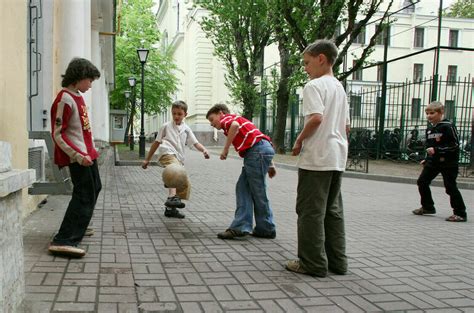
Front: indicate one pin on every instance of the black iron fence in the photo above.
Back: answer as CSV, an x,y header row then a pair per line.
x,y
399,134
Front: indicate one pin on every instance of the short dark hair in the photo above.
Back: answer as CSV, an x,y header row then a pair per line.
x,y
322,46
79,69
180,104
216,108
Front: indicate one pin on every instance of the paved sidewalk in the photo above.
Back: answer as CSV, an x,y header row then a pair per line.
x,y
140,261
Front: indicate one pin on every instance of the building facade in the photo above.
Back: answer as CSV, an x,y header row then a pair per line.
x,y
414,29
39,38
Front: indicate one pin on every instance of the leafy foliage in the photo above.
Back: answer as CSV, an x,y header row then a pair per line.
x,y
239,31
461,8
138,29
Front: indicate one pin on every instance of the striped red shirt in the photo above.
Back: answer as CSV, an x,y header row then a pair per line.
x,y
247,136
70,129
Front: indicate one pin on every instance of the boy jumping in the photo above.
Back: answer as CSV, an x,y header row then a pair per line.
x,y
170,143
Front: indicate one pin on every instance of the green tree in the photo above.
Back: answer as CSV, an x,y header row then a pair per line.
x,y
239,30
309,20
461,8
138,29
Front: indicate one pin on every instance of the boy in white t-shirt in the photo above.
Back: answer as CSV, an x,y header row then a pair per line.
x,y
170,143
322,148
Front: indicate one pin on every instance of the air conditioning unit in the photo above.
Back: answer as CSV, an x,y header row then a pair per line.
x,y
36,161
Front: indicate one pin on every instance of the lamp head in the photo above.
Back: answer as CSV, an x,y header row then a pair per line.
x,y
142,54
132,81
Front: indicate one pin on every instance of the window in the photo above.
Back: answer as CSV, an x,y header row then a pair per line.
x,y
415,108
453,37
417,72
449,110
357,75
361,37
452,74
419,37
379,40
380,72
356,106
409,6
118,122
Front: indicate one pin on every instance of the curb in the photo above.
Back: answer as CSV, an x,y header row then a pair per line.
x,y
377,177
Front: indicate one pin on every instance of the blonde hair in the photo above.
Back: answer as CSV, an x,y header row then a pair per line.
x,y
435,106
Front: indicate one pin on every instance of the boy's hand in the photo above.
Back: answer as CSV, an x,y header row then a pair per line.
x,y
145,164
86,161
423,162
296,148
224,153
206,154
430,151
272,172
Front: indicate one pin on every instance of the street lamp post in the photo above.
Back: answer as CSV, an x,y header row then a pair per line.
x,y
142,56
127,125
132,82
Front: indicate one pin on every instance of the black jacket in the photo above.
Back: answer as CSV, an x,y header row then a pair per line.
x,y
443,137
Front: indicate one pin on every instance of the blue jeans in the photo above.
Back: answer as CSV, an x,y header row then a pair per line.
x,y
251,192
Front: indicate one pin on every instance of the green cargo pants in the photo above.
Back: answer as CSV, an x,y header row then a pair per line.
x,y
321,236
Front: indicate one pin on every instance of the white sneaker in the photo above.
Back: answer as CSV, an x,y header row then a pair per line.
x,y
66,250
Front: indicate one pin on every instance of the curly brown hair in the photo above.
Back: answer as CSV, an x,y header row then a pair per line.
x,y
79,69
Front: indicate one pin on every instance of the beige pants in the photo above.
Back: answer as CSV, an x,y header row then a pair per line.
x,y
183,193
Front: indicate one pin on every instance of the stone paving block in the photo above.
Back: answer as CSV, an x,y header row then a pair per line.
x,y
395,306
87,294
67,293
239,305
363,303
74,307
159,307
32,279
416,302
191,307
345,304
120,298
289,305
195,297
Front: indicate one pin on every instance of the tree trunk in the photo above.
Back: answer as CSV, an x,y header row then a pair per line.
x,y
283,97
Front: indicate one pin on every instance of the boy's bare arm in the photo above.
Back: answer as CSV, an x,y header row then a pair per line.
x,y
311,126
201,148
153,148
233,130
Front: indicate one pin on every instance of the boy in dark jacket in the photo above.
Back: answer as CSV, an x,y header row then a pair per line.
x,y
442,156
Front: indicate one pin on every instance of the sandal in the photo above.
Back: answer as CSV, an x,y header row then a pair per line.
x,y
456,218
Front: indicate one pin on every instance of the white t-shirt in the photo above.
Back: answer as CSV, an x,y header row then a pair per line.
x,y
326,148
173,139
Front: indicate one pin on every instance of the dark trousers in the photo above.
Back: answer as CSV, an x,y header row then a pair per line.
x,y
449,178
321,234
86,187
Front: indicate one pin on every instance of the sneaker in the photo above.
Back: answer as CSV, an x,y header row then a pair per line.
x,y
231,234
173,212
456,218
70,251
174,202
89,231
295,266
423,211
266,236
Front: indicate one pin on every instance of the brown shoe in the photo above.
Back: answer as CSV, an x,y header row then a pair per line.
x,y
423,211
456,218
70,251
231,234
295,266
